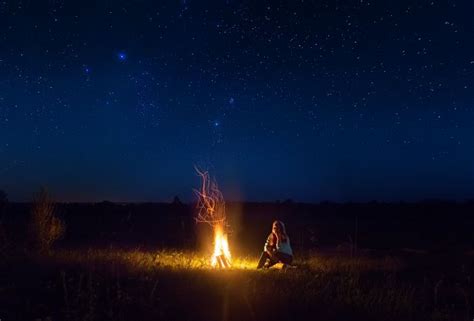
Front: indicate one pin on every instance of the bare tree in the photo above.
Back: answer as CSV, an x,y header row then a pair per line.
x,y
45,227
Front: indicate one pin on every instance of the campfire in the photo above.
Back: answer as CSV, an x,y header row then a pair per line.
x,y
211,210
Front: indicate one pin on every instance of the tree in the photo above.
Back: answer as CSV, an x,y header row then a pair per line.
x,y
45,227
177,201
3,233
3,197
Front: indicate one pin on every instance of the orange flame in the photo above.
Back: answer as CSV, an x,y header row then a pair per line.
x,y
211,210
221,257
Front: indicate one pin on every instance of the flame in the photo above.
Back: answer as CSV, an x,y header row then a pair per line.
x,y
221,257
211,210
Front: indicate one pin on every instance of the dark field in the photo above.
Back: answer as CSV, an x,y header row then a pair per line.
x,y
150,262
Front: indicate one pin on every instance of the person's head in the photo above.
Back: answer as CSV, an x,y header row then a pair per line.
x,y
279,228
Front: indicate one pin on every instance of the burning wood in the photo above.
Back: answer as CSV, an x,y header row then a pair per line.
x,y
211,210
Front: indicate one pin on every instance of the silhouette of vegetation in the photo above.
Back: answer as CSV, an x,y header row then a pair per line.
x,y
3,198
177,201
45,227
3,233
3,241
119,261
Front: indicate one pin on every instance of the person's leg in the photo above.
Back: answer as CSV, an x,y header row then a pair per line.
x,y
262,260
272,260
284,258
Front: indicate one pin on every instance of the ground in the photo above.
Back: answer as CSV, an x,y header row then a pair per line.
x,y
117,284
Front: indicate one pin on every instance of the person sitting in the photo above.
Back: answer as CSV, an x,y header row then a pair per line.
x,y
277,248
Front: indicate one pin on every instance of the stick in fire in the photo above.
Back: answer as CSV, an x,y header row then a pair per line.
x,y
211,210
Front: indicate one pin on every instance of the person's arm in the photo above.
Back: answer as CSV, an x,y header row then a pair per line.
x,y
270,244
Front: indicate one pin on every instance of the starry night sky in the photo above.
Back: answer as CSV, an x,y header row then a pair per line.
x,y
309,100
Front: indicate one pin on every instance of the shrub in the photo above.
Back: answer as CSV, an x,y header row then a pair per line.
x,y
45,227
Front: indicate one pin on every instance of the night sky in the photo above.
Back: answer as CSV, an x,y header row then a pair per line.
x,y
309,100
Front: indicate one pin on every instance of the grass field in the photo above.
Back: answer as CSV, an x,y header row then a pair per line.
x,y
114,284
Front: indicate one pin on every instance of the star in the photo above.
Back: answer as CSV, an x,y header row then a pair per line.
x,y
122,56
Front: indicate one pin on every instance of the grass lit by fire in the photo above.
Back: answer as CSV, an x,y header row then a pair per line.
x,y
151,260
112,284
189,260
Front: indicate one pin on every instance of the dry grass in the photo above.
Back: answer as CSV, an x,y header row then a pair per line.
x,y
117,284
142,260
362,285
186,260
356,264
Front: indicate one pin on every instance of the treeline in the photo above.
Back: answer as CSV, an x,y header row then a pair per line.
x,y
426,225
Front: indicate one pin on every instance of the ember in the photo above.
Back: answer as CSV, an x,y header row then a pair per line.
x,y
211,210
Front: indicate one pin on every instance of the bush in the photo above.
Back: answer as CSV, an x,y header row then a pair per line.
x,y
45,227
3,198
